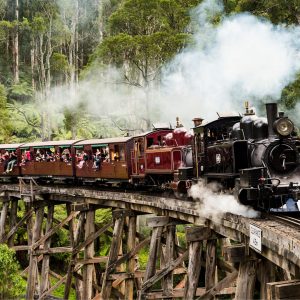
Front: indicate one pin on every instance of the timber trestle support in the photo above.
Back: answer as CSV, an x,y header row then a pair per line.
x,y
184,260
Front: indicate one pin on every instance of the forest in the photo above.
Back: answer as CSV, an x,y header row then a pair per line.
x,y
60,60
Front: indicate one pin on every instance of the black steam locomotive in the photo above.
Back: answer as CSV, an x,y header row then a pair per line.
x,y
258,159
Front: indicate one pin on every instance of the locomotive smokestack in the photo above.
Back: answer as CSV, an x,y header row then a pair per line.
x,y
272,114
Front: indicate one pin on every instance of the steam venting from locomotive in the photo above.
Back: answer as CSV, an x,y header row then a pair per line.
x,y
213,204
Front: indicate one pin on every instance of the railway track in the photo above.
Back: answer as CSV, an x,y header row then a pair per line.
x,y
293,221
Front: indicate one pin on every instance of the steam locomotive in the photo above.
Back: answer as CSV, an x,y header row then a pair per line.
x,y
257,159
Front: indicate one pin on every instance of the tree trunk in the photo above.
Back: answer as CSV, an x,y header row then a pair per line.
x,y
16,46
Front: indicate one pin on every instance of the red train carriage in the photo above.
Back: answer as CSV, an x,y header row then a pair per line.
x,y
104,159
48,159
157,155
10,160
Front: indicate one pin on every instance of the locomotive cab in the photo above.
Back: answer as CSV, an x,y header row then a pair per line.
x,y
218,154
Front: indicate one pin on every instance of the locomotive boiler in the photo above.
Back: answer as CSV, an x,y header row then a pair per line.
x,y
256,158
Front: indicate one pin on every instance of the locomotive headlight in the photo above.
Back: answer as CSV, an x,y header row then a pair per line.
x,y
284,126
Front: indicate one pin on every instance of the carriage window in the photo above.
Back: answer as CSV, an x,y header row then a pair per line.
x,y
150,142
115,153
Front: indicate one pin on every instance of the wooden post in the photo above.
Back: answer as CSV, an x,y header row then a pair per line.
x,y
266,274
33,264
46,257
89,252
157,223
195,236
289,289
210,264
131,262
119,216
30,221
194,267
13,219
169,256
3,219
246,280
78,283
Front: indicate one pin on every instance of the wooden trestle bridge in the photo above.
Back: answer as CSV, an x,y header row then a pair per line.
x,y
172,271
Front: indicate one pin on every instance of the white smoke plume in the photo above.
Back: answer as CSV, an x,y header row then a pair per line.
x,y
212,204
242,58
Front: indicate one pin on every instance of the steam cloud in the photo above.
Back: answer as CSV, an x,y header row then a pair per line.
x,y
213,205
242,58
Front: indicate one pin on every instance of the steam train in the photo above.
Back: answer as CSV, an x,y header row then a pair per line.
x,y
257,159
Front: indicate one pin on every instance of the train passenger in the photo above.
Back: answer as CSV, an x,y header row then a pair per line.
x,y
81,159
49,156
5,158
97,160
38,155
66,157
11,161
28,155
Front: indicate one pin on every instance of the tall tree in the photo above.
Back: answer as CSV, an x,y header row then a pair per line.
x,y
144,34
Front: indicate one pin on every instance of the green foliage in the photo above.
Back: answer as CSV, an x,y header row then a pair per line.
x,y
27,121
20,91
59,62
59,292
11,283
291,94
103,216
278,11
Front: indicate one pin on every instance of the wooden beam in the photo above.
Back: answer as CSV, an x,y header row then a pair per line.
x,y
153,251
198,233
141,274
287,291
33,267
13,218
271,294
77,234
128,255
131,237
224,283
169,256
194,267
160,274
266,273
94,260
210,268
46,258
80,207
158,221
179,293
13,229
91,238
54,229
225,266
113,254
29,223
89,252
3,219
53,250
246,280
235,253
